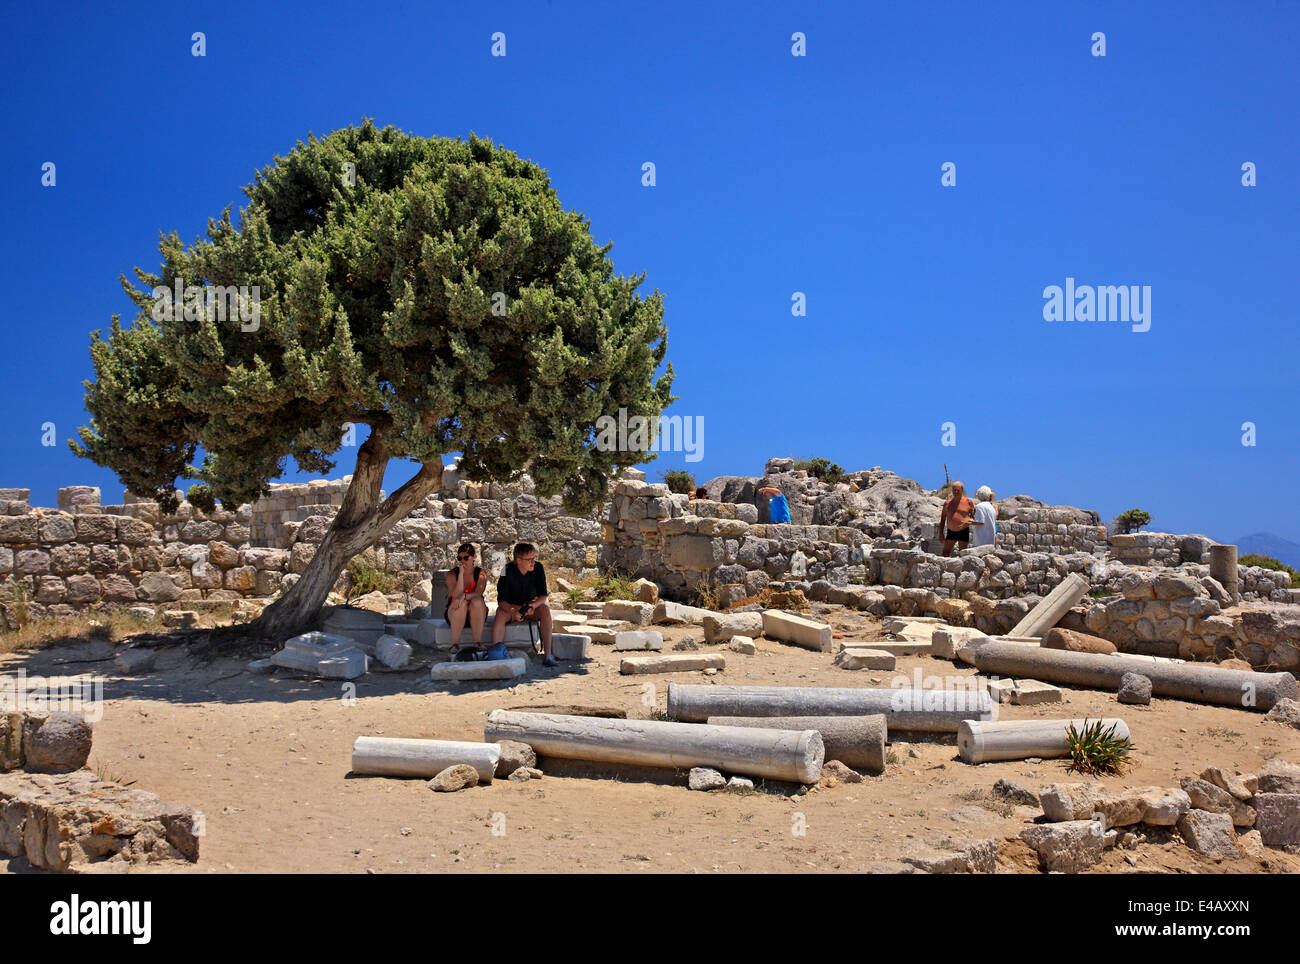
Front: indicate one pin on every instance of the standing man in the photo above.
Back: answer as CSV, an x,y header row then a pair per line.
x,y
521,595
986,518
956,519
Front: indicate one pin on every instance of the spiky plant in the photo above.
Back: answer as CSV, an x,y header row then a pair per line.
x,y
1096,749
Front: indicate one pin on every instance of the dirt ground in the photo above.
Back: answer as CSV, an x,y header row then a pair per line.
x,y
266,758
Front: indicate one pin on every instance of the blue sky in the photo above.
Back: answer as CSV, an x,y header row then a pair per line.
x,y
775,174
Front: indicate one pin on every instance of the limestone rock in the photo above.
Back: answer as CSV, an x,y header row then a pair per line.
x,y
393,651
1164,808
646,591
1206,796
1285,711
1209,834
839,772
454,778
1279,776
514,756
1135,689
966,857
703,778
722,627
743,645
1278,819
1069,847
685,645
1231,782
1015,793
56,742
740,783
865,659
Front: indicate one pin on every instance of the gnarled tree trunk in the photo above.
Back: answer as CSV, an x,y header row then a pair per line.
x,y
361,521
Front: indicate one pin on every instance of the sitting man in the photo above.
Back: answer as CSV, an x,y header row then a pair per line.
x,y
521,595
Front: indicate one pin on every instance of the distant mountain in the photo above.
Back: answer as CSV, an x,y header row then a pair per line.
x,y
1268,544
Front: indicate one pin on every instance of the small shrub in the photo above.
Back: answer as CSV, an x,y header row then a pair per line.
x,y
705,596
823,469
200,496
679,481
366,578
1131,521
613,585
1097,750
574,596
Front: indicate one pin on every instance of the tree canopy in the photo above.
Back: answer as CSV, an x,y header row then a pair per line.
x,y
434,289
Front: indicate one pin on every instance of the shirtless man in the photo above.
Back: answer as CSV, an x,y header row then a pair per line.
x,y
956,519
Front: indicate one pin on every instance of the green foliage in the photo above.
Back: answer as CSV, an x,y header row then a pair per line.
x,y
367,578
200,496
1131,521
574,596
1097,750
823,469
443,297
613,585
680,481
13,600
1268,562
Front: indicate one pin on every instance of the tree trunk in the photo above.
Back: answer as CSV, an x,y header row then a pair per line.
x,y
361,521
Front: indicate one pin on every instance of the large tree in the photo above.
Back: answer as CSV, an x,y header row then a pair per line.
x,y
432,289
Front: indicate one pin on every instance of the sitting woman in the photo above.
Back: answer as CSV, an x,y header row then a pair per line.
x,y
465,585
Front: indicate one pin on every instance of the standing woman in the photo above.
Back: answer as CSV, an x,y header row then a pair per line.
x,y
465,585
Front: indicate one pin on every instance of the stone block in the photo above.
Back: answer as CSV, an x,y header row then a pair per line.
x,y
569,646
672,663
638,640
636,613
488,669
721,627
790,628
853,658
1029,692
1278,819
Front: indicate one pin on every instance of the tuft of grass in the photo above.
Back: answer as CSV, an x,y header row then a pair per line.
x,y
891,757
1097,750
613,585
366,578
113,625
705,596
574,596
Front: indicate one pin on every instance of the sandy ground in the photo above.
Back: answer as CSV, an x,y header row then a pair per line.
x,y
266,760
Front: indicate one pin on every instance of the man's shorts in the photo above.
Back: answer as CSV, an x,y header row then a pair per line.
x,y
960,535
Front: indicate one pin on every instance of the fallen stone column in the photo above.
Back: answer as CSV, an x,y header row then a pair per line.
x,y
382,756
1053,606
985,742
856,741
928,711
1223,568
1196,682
790,755
480,669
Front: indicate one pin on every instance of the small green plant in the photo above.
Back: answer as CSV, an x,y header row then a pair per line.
x,y
366,578
612,585
13,597
705,596
574,596
1131,521
1268,562
200,496
891,757
823,469
679,481
1095,749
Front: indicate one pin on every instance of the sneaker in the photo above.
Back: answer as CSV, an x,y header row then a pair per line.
x,y
550,661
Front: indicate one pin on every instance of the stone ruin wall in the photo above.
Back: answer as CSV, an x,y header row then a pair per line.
x,y
82,554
